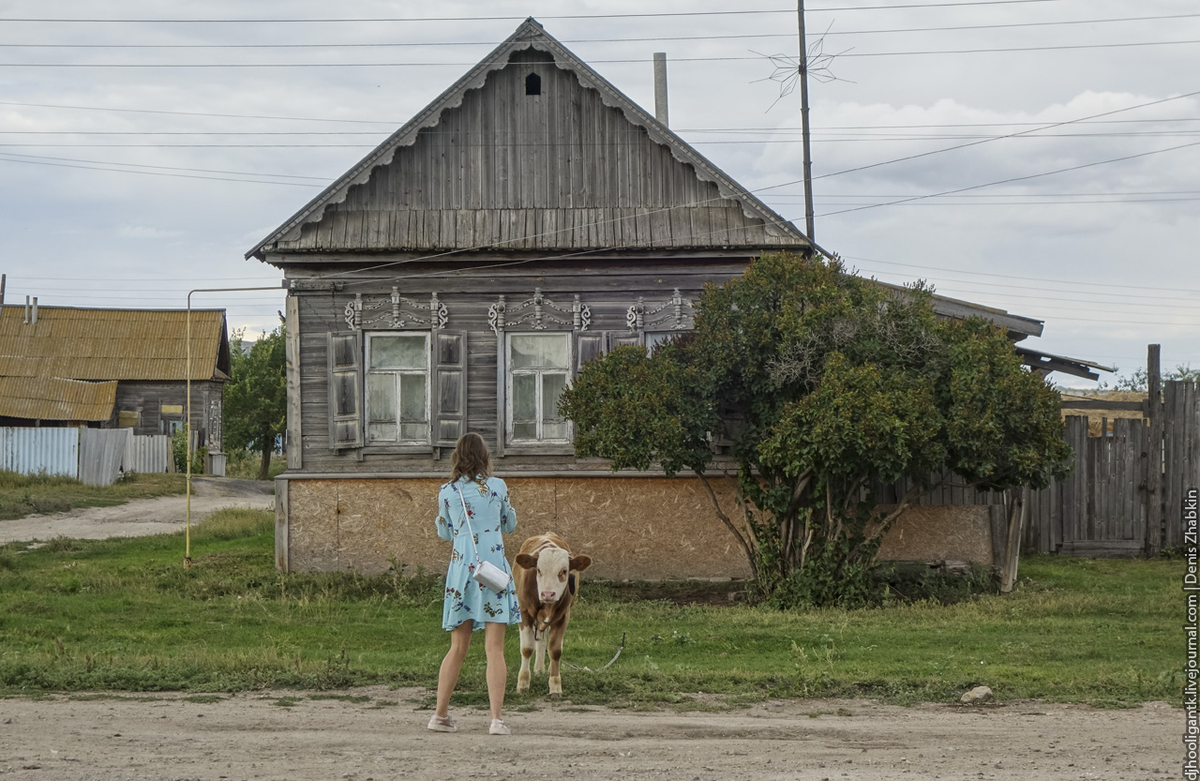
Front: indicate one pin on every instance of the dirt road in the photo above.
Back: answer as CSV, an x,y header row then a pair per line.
x,y
142,516
376,734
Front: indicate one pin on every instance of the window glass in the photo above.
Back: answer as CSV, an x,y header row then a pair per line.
x,y
552,387
538,373
397,386
653,340
412,398
395,351
524,397
538,350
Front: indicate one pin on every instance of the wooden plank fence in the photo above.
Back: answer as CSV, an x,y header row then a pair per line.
x,y
1106,506
1181,454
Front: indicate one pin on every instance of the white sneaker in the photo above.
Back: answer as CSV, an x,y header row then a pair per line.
x,y
499,728
441,724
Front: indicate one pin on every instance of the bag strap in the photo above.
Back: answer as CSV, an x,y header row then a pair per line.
x,y
467,518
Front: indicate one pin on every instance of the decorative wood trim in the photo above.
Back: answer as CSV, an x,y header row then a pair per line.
x,y
383,312
502,316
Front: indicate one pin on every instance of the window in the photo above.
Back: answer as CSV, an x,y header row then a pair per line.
x,y
533,84
398,388
538,367
655,338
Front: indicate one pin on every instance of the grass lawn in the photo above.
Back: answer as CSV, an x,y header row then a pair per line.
x,y
22,495
123,614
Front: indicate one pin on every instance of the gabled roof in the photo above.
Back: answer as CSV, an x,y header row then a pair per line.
x,y
50,398
113,344
530,36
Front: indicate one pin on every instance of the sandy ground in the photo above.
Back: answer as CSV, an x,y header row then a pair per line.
x,y
291,735
143,516
375,733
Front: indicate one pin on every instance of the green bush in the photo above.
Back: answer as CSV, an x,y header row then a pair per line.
x,y
179,453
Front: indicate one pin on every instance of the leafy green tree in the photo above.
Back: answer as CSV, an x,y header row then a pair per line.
x,y
1139,381
827,387
255,408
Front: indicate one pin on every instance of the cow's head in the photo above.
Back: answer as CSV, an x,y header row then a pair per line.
x,y
553,567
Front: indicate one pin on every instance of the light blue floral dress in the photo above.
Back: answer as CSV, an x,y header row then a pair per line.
x,y
467,599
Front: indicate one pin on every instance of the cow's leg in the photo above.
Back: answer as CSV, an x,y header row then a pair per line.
x,y
526,652
556,643
539,658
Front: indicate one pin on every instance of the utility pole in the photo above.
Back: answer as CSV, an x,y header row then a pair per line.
x,y
808,197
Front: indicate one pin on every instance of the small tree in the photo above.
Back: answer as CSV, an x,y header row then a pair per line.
x,y
828,386
255,409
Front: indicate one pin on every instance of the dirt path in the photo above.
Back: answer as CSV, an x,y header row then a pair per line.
x,y
301,736
142,516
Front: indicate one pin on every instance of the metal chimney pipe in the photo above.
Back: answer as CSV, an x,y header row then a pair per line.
x,y
660,88
34,318
26,310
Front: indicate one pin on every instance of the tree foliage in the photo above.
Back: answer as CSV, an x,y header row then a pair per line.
x,y
255,408
827,387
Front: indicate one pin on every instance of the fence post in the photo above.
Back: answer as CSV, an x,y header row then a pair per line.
x,y
1153,453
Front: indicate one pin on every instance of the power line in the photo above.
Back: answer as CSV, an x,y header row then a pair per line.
x,y
1016,179
394,123
573,41
623,61
47,20
1024,277
1037,129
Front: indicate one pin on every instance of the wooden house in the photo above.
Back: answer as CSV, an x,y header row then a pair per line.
x,y
110,368
530,218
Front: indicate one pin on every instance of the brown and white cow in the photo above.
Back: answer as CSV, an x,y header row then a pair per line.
x,y
546,582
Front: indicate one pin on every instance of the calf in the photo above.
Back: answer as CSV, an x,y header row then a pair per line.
x,y
545,581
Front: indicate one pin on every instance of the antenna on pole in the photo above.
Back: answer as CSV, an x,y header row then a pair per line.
x,y
808,196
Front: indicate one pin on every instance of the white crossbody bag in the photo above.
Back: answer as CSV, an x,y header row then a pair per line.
x,y
486,572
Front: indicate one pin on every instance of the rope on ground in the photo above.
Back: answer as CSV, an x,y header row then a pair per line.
x,y
605,667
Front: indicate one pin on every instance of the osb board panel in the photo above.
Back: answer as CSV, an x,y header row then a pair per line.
x,y
648,528
312,525
633,528
361,525
934,532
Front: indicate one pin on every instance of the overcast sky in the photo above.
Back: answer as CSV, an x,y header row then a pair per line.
x,y
1042,156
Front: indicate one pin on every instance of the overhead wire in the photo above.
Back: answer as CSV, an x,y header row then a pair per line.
x,y
623,39
640,15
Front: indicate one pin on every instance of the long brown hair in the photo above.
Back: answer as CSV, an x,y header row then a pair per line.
x,y
470,458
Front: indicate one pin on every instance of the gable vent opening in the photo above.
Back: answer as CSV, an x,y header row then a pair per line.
x,y
533,84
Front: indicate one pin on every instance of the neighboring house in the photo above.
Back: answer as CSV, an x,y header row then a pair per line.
x,y
529,219
113,368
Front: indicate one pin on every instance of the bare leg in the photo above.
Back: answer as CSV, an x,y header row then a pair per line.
x,y
497,670
460,641
526,652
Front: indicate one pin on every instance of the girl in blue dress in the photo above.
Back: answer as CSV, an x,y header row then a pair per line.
x,y
468,605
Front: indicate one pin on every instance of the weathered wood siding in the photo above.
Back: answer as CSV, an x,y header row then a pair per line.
x,y
148,398
558,170
323,319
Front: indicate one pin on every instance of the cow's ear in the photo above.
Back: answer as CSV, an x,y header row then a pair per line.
x,y
580,563
527,561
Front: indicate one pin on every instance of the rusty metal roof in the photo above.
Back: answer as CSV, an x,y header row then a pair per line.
x,y
51,398
113,344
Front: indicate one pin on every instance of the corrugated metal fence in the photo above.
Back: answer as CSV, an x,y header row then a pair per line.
x,y
94,456
28,451
150,453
